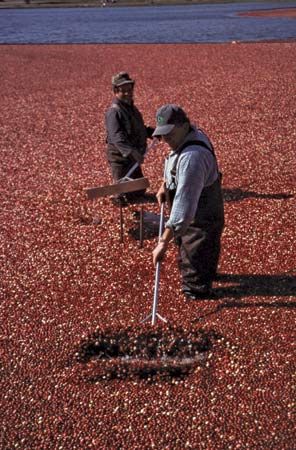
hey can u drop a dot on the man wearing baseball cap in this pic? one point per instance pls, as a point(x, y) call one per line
point(192, 186)
point(126, 133)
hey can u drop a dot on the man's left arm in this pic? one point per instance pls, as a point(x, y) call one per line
point(161, 248)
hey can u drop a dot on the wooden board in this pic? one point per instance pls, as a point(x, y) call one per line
point(118, 188)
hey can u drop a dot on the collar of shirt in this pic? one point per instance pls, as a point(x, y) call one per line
point(191, 136)
point(122, 104)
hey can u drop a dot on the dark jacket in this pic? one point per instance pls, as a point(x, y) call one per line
point(125, 131)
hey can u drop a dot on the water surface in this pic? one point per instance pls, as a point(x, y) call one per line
point(162, 24)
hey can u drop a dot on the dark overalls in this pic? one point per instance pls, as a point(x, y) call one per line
point(125, 131)
point(199, 248)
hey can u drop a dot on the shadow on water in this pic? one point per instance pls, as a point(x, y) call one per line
point(237, 194)
point(242, 286)
point(282, 285)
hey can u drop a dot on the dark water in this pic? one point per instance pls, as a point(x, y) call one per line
point(163, 24)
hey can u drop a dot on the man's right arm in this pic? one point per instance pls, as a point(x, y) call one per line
point(117, 136)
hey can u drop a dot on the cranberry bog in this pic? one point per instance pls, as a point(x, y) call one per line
point(78, 368)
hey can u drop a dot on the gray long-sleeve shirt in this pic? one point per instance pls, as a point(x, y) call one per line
point(196, 169)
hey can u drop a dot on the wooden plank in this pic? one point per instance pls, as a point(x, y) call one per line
point(118, 188)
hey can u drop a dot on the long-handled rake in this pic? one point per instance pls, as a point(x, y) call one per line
point(154, 314)
point(124, 185)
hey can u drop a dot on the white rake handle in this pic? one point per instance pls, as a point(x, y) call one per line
point(157, 272)
point(133, 168)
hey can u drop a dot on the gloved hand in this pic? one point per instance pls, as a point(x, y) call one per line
point(137, 156)
point(150, 131)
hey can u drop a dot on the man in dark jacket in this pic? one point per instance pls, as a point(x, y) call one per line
point(193, 185)
point(126, 133)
